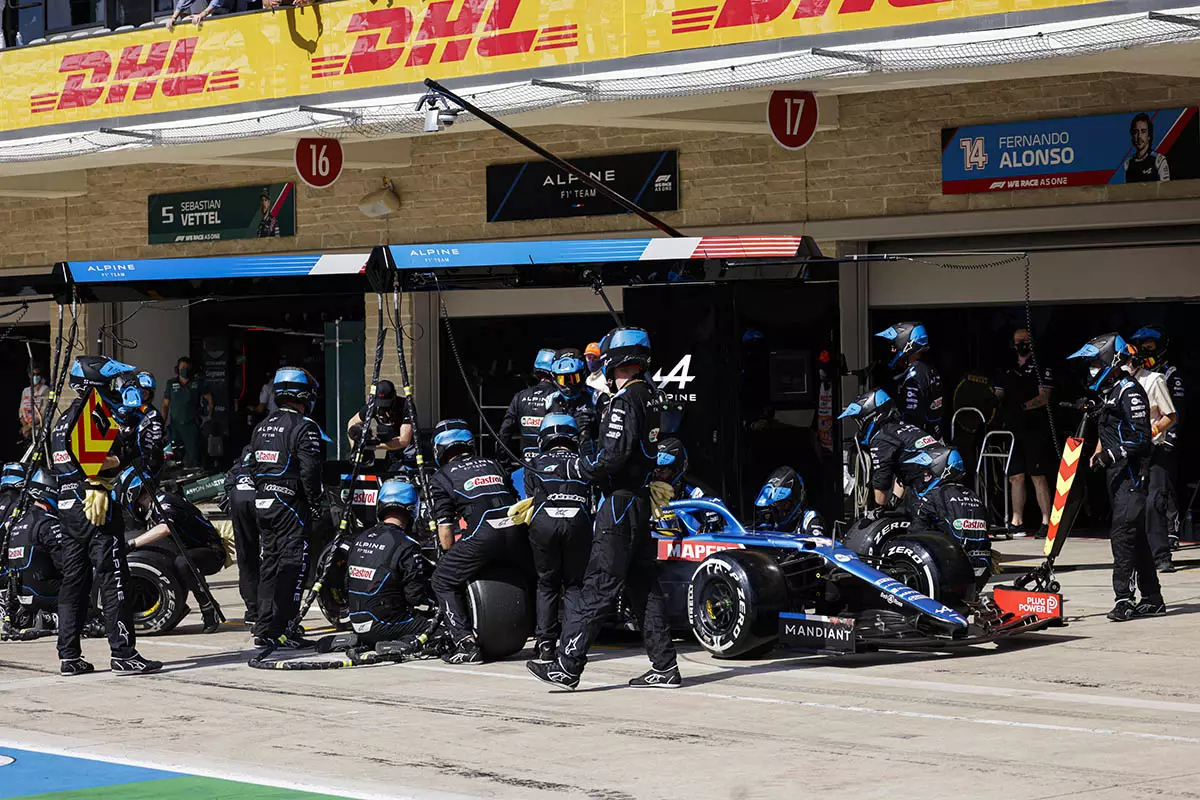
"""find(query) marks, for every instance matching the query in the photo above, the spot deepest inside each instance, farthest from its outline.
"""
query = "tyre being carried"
(501, 606)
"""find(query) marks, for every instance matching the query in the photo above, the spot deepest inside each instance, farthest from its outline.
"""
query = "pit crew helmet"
(543, 363)
(558, 429)
(100, 373)
(1104, 356)
(1151, 342)
(780, 499)
(452, 438)
(149, 386)
(570, 372)
(870, 411)
(129, 488)
(43, 488)
(625, 347)
(907, 338)
(939, 465)
(396, 495)
(13, 475)
(672, 461)
(295, 383)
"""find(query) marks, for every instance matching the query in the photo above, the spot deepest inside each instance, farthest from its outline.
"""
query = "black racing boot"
(1165, 565)
(1123, 611)
(658, 679)
(546, 651)
(553, 673)
(136, 665)
(212, 623)
(75, 666)
(1150, 608)
(466, 652)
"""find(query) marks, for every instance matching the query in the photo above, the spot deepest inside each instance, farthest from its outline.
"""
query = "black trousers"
(1160, 503)
(389, 630)
(207, 560)
(561, 546)
(93, 554)
(283, 534)
(1133, 564)
(463, 562)
(246, 540)
(622, 557)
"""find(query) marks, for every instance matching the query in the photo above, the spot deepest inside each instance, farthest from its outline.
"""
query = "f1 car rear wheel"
(332, 597)
(935, 567)
(501, 608)
(735, 598)
(156, 592)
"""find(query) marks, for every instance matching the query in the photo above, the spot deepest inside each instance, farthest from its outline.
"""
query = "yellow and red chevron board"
(1062, 490)
(93, 436)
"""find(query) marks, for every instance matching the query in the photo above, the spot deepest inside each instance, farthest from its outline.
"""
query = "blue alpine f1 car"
(748, 591)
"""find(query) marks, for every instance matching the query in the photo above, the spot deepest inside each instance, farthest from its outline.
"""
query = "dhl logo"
(388, 35)
(140, 72)
(93, 436)
(739, 13)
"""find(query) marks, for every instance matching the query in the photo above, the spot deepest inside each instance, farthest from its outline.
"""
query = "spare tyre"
(501, 605)
(735, 598)
(156, 592)
(332, 597)
(933, 565)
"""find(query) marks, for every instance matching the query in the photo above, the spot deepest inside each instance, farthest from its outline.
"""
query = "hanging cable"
(1033, 356)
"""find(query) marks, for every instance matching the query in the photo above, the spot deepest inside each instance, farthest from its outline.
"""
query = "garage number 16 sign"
(792, 118)
(319, 161)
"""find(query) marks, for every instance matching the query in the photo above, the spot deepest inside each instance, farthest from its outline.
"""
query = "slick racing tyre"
(735, 598)
(332, 597)
(867, 536)
(502, 612)
(931, 564)
(157, 595)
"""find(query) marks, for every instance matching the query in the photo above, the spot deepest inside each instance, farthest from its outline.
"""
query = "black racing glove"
(1104, 459)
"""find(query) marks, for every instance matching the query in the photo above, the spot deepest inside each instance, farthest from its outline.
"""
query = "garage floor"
(1096, 710)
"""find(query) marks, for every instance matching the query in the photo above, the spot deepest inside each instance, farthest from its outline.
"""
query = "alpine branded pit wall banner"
(211, 215)
(540, 190)
(1137, 146)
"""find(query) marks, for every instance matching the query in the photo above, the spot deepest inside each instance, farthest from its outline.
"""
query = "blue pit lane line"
(30, 773)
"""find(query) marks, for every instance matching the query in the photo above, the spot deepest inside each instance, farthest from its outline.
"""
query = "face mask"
(37, 380)
(1023, 348)
(185, 372)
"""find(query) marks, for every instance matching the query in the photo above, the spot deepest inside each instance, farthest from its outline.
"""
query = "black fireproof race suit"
(89, 553)
(286, 452)
(519, 430)
(560, 535)
(1125, 442)
(475, 491)
(140, 443)
(239, 488)
(582, 407)
(623, 550)
(920, 397)
(956, 511)
(386, 576)
(35, 554)
(198, 535)
(889, 448)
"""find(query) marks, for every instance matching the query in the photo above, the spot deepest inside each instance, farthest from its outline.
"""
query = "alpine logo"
(680, 376)
(969, 525)
(740, 13)
(362, 573)
(687, 551)
(482, 480)
(483, 28)
(133, 74)
(266, 456)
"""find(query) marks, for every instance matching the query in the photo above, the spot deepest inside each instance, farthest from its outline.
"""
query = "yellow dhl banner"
(355, 45)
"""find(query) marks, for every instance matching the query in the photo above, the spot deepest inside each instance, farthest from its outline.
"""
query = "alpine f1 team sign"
(1135, 147)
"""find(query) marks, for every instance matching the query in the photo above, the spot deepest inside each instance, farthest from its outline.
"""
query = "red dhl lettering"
(362, 573)
(139, 72)
(740, 13)
(690, 551)
(388, 36)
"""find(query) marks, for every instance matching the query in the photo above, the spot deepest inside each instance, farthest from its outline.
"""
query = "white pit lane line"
(930, 685)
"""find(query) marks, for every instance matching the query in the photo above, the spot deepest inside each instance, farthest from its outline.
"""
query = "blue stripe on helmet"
(665, 459)
(956, 460)
(113, 368)
(1089, 350)
(771, 494)
(394, 492)
(559, 420)
(628, 337)
(881, 397)
(1146, 333)
(290, 375)
(447, 438)
(923, 459)
(919, 336)
(568, 365)
(852, 410)
(889, 334)
(544, 359)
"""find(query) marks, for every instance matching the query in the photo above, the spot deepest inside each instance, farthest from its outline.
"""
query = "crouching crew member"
(623, 551)
(475, 491)
(1123, 450)
(286, 453)
(205, 548)
(93, 544)
(782, 505)
(558, 510)
(35, 552)
(887, 438)
(387, 577)
(942, 504)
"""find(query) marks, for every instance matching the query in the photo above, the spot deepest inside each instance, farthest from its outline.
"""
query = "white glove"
(521, 512)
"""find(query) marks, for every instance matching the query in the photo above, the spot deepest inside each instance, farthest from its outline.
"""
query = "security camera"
(438, 112)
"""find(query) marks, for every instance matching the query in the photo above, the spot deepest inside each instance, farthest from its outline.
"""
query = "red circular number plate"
(792, 117)
(319, 161)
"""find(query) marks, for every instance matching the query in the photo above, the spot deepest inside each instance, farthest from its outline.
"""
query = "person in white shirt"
(1162, 417)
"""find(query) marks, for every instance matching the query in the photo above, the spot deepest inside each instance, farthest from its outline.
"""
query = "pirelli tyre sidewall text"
(735, 598)
(156, 591)
(930, 563)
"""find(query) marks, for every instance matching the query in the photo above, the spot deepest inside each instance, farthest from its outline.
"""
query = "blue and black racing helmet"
(870, 411)
(625, 347)
(672, 462)
(452, 438)
(13, 475)
(129, 487)
(570, 372)
(297, 384)
(780, 499)
(1151, 342)
(43, 488)
(396, 496)
(99, 373)
(1104, 356)
(557, 430)
(543, 364)
(939, 464)
(907, 338)
(149, 386)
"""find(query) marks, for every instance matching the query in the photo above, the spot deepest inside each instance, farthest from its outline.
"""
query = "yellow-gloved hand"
(521, 511)
(661, 493)
(95, 504)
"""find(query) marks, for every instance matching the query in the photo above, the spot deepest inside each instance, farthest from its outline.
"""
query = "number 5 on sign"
(792, 118)
(319, 161)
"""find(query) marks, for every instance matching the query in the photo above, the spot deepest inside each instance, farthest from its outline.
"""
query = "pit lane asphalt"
(1096, 709)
